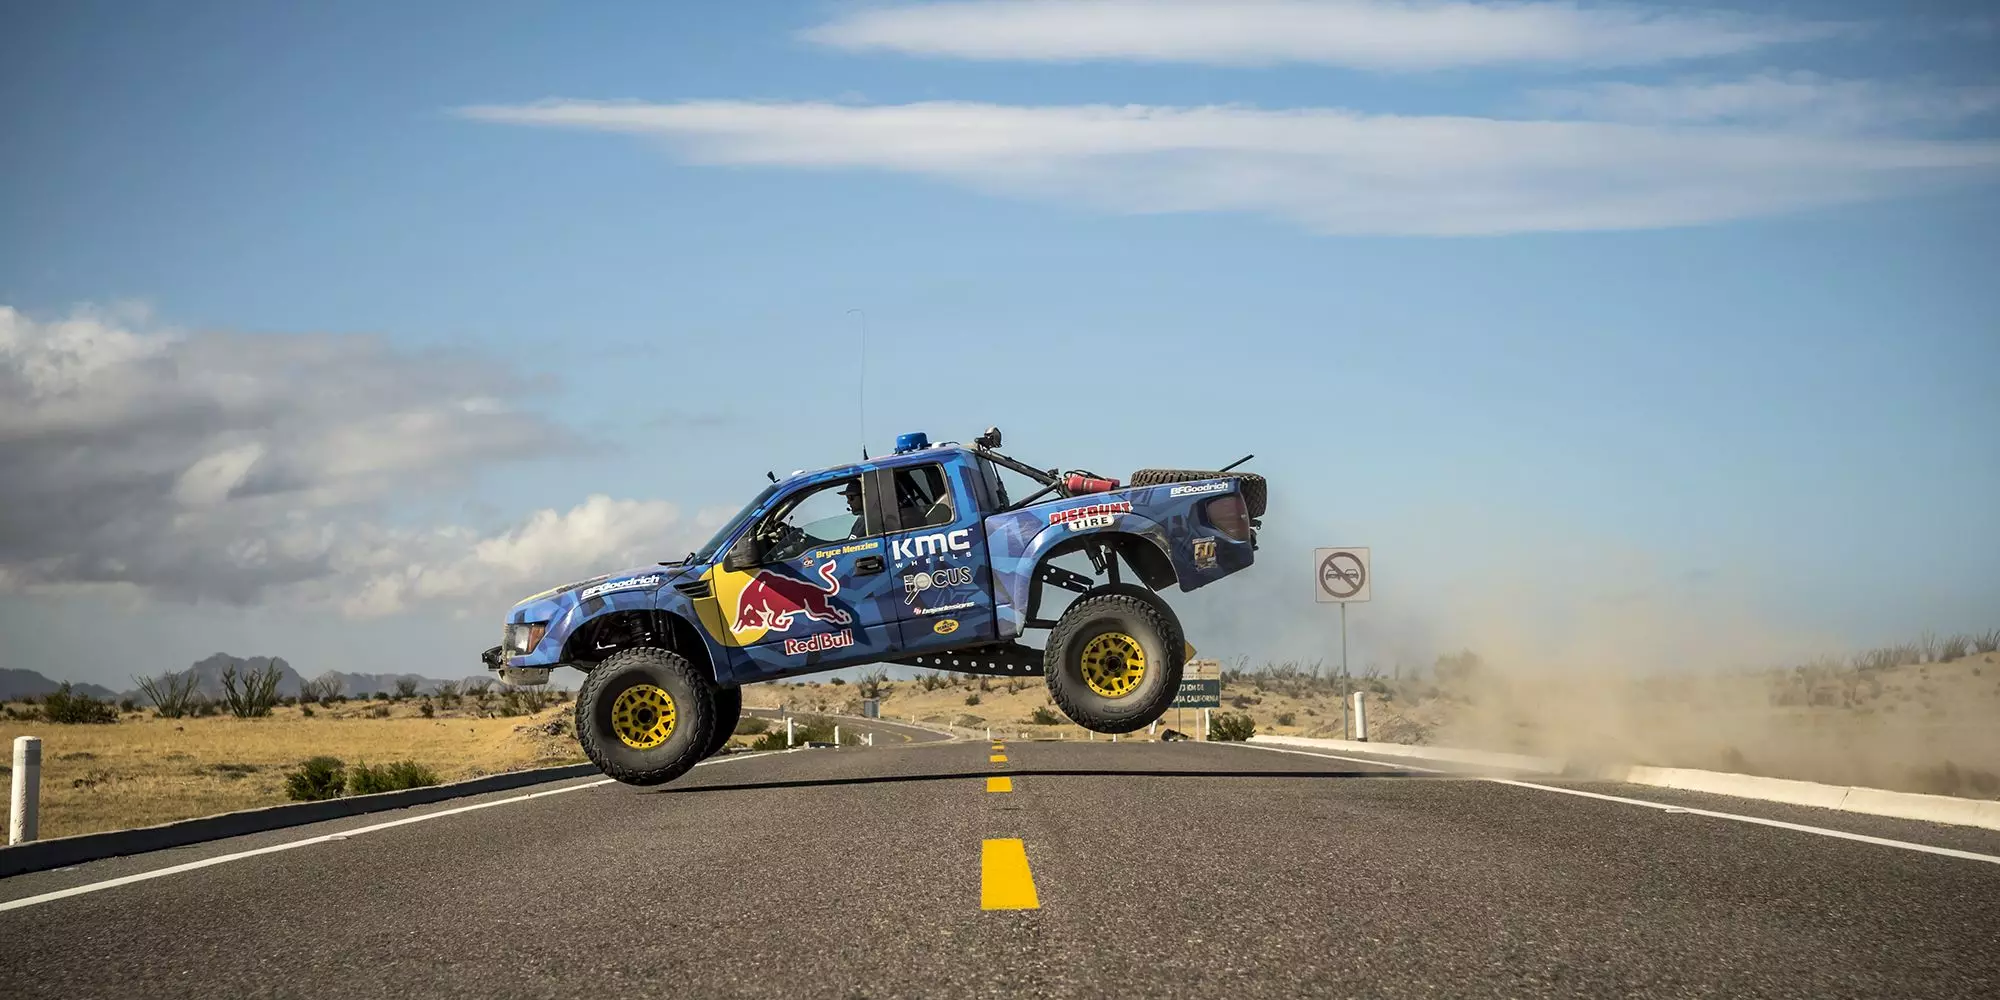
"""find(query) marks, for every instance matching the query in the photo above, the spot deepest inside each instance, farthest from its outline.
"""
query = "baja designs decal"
(770, 600)
(1097, 515)
(1198, 490)
(818, 643)
(950, 576)
(939, 543)
(946, 627)
(633, 583)
(1204, 553)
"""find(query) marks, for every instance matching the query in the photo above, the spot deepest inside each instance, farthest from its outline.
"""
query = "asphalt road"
(886, 733)
(1181, 869)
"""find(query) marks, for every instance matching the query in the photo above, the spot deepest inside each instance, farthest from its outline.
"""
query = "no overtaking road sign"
(1342, 575)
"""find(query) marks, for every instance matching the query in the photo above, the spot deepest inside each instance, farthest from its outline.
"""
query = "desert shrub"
(406, 687)
(1953, 648)
(429, 710)
(323, 689)
(306, 710)
(933, 680)
(770, 741)
(837, 682)
(985, 683)
(317, 779)
(250, 693)
(127, 705)
(1987, 641)
(972, 699)
(379, 712)
(1287, 719)
(174, 694)
(1457, 668)
(368, 779)
(67, 708)
(751, 725)
(1041, 716)
(1231, 727)
(1015, 684)
(1241, 701)
(447, 693)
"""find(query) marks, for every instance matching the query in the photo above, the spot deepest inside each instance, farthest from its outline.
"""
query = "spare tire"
(1253, 484)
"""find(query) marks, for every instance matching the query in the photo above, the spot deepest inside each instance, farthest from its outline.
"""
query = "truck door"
(818, 600)
(937, 555)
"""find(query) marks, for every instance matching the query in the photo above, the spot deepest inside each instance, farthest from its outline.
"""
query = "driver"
(852, 491)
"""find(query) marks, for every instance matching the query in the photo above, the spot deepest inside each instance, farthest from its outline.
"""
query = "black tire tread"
(586, 734)
(1091, 606)
(728, 712)
(1255, 490)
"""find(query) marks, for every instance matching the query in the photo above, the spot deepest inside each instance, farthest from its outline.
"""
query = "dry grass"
(143, 770)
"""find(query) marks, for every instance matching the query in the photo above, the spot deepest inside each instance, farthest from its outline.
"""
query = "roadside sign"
(1341, 575)
(1201, 685)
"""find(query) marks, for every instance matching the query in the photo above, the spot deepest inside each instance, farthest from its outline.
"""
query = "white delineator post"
(22, 815)
(1360, 718)
(788, 731)
(836, 737)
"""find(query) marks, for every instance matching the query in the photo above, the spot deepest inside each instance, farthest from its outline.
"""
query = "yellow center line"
(1004, 880)
(998, 758)
(999, 784)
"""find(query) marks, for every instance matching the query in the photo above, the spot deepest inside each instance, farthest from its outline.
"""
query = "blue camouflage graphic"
(958, 582)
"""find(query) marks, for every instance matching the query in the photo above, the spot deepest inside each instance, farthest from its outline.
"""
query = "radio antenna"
(861, 398)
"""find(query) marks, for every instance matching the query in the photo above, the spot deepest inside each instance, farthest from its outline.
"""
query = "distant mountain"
(18, 684)
(211, 670)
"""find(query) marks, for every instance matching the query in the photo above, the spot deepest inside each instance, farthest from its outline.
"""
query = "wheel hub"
(643, 716)
(1113, 664)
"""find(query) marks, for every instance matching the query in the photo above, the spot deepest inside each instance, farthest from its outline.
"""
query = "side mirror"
(745, 554)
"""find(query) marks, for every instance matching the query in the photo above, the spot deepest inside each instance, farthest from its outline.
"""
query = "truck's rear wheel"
(728, 712)
(1253, 484)
(645, 715)
(1113, 662)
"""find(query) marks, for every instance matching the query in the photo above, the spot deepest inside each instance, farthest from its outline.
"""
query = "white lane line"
(1670, 807)
(48, 897)
(1330, 756)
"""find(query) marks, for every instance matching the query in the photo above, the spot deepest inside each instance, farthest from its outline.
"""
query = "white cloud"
(233, 467)
(453, 565)
(1367, 34)
(1331, 170)
(1797, 101)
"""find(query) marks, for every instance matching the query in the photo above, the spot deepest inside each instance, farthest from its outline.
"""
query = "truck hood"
(551, 602)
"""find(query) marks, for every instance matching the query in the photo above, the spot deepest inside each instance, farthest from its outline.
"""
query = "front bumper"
(496, 660)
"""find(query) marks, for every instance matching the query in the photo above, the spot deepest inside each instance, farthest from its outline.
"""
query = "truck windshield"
(708, 550)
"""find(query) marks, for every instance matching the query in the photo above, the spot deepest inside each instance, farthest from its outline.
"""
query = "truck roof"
(944, 451)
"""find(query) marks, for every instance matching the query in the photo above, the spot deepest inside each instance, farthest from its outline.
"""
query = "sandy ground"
(144, 770)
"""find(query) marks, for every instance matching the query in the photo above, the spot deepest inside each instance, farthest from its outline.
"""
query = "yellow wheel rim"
(1113, 664)
(643, 716)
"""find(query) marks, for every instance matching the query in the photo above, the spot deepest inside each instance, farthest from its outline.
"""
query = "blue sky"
(1597, 320)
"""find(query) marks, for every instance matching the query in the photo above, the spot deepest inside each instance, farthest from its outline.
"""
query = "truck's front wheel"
(1113, 662)
(645, 716)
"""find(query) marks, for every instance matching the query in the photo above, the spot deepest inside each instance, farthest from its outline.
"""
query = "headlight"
(522, 639)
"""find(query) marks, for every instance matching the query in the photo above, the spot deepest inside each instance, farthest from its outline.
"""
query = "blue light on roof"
(913, 441)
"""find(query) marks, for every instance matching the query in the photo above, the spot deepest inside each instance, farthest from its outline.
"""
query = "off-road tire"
(1159, 636)
(694, 710)
(728, 712)
(1252, 484)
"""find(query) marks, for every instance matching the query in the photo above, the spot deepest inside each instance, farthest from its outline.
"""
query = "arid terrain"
(1927, 726)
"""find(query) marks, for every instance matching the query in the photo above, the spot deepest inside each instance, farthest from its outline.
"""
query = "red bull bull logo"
(771, 600)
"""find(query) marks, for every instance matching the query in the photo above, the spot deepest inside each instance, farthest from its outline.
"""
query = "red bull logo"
(770, 600)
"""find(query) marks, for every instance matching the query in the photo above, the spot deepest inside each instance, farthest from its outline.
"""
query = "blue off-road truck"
(917, 558)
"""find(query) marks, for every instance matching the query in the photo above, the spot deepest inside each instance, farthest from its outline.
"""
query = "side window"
(923, 497)
(817, 518)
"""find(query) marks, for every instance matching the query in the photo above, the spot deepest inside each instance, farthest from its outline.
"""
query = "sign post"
(1201, 687)
(1342, 576)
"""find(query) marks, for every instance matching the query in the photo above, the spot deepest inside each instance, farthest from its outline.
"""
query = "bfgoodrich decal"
(1198, 489)
(611, 586)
